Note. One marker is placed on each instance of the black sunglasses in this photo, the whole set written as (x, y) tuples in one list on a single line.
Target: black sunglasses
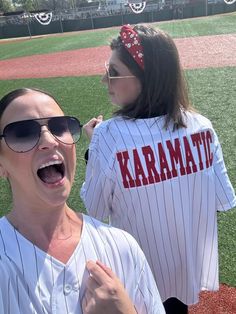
[(23, 136)]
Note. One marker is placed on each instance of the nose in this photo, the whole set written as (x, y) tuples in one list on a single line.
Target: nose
[(47, 140)]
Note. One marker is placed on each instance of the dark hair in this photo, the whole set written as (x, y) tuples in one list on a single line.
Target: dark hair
[(8, 98), (164, 89)]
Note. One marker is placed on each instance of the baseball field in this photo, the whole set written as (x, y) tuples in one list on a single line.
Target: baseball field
[(70, 66)]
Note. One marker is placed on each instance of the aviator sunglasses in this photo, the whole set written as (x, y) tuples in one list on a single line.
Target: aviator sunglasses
[(23, 136)]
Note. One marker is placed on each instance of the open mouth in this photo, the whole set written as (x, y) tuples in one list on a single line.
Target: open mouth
[(51, 172)]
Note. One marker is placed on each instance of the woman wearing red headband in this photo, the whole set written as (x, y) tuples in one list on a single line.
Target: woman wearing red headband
[(156, 168)]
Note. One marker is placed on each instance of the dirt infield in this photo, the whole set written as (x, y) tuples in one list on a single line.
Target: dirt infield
[(220, 302), (195, 52)]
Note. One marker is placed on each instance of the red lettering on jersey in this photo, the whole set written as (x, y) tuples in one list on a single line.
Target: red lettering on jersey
[(166, 170), (175, 157), (203, 136), (189, 157), (209, 140), (123, 158), (138, 168), (163, 163), (196, 139), (153, 175)]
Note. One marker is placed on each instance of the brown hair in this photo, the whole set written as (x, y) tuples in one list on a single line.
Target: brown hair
[(164, 89), (8, 98)]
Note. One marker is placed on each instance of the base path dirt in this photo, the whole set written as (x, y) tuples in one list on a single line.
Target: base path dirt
[(219, 302), (195, 52)]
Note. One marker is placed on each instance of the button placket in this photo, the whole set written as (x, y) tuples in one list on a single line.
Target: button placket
[(76, 286), (67, 289)]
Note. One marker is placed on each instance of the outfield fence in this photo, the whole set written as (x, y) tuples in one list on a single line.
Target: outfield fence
[(29, 24)]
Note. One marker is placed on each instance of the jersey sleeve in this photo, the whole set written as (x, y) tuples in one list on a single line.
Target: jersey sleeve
[(96, 191), (225, 195), (147, 297)]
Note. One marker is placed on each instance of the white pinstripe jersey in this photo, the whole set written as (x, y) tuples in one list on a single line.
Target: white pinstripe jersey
[(164, 187), (33, 282)]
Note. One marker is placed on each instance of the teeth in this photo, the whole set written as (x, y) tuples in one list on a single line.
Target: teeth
[(50, 163)]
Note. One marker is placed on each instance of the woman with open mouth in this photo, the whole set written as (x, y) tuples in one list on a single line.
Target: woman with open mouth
[(53, 259)]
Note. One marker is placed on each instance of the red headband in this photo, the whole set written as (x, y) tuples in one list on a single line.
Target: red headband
[(132, 44)]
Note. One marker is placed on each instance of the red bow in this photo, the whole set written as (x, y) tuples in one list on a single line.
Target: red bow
[(132, 44)]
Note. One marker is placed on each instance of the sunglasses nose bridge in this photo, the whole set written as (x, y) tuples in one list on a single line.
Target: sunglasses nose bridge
[(46, 138), (44, 128)]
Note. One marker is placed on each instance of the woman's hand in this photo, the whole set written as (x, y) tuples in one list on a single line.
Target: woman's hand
[(105, 293), (90, 125)]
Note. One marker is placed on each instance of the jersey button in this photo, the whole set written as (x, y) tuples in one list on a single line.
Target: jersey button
[(67, 289)]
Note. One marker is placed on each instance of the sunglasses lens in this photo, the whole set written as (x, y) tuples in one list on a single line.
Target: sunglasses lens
[(66, 129), (22, 136)]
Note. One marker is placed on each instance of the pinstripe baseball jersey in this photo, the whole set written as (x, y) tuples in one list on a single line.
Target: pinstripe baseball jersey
[(164, 187), (32, 281)]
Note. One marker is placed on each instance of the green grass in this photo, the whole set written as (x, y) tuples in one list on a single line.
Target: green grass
[(63, 42), (211, 91), (212, 25), (218, 24)]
